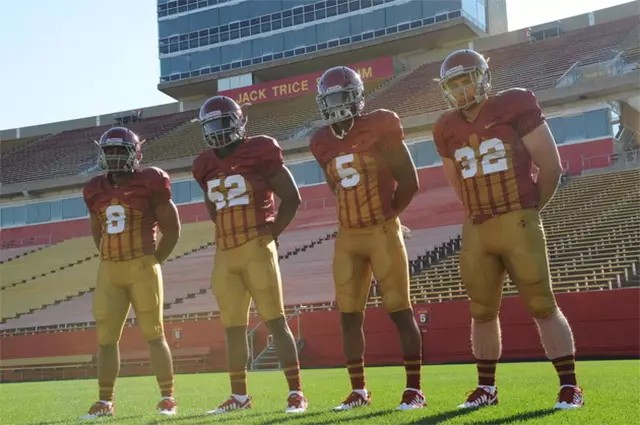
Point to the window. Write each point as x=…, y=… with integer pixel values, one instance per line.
x=73, y=208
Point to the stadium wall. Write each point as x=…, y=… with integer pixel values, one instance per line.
x=318, y=202
x=605, y=324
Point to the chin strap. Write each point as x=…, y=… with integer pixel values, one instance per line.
x=343, y=132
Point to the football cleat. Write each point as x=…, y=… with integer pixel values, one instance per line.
x=100, y=409
x=570, y=397
x=412, y=399
x=296, y=403
x=167, y=406
x=230, y=405
x=480, y=397
x=354, y=400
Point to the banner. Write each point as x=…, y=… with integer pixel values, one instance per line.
x=305, y=84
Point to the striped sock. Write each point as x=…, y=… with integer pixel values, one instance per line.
x=486, y=372
x=166, y=388
x=356, y=373
x=292, y=373
x=238, y=381
x=412, y=366
x=105, y=391
x=566, y=368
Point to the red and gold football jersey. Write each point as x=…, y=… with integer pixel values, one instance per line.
x=126, y=212
x=495, y=167
x=238, y=186
x=356, y=166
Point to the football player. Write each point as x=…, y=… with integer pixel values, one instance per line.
x=239, y=176
x=127, y=205
x=488, y=144
x=368, y=167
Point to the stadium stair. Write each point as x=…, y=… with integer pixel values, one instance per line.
x=593, y=239
x=267, y=359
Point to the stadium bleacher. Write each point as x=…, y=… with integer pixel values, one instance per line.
x=276, y=119
x=592, y=226
x=593, y=236
x=536, y=66
x=73, y=151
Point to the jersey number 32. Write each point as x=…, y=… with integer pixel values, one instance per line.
x=493, y=158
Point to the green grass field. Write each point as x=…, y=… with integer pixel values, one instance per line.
x=527, y=394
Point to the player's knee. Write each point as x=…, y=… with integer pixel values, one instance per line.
x=483, y=313
x=541, y=307
x=394, y=302
x=107, y=338
x=351, y=321
x=152, y=333
x=403, y=318
x=278, y=326
x=157, y=341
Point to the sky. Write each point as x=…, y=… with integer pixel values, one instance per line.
x=94, y=57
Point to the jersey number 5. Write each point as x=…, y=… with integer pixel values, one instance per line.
x=116, y=219
x=235, y=191
x=493, y=159
x=349, y=176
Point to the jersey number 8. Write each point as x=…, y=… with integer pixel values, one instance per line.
x=116, y=219
x=491, y=162
x=235, y=193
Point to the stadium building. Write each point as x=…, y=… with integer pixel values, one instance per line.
x=584, y=70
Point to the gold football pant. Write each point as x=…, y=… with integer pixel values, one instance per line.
x=374, y=251
x=248, y=271
x=514, y=243
x=136, y=282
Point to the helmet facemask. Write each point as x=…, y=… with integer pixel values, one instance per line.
x=479, y=80
x=341, y=103
x=221, y=130
x=118, y=157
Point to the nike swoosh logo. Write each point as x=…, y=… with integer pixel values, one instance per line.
x=356, y=145
x=128, y=192
x=233, y=167
x=488, y=126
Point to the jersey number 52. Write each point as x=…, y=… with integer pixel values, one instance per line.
x=228, y=191
x=493, y=158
